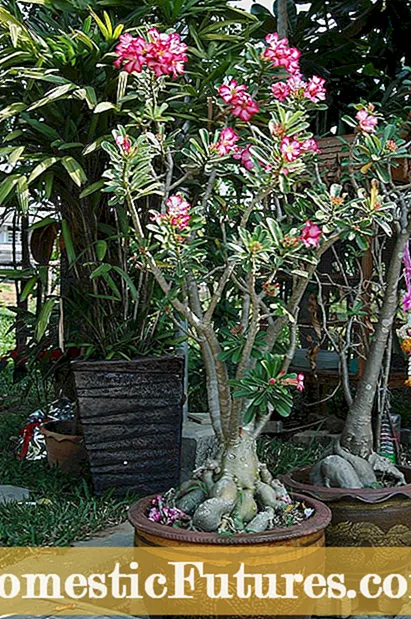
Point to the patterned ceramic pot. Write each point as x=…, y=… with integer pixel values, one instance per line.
x=365, y=517
x=309, y=533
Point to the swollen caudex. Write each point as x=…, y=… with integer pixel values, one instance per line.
x=234, y=493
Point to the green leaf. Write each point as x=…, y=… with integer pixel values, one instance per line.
x=7, y=186
x=88, y=94
x=101, y=249
x=112, y=285
x=68, y=242
x=42, y=167
x=15, y=154
x=249, y=415
x=11, y=110
x=28, y=288
x=44, y=222
x=102, y=269
x=44, y=318
x=128, y=280
x=41, y=127
x=52, y=95
x=74, y=170
x=22, y=191
x=92, y=188
x=104, y=106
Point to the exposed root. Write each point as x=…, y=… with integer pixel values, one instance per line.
x=341, y=469
x=234, y=492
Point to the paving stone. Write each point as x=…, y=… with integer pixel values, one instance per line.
x=199, y=444
x=121, y=536
x=9, y=494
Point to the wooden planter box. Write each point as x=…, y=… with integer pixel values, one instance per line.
x=132, y=413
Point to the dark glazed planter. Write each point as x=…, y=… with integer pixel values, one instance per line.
x=131, y=413
x=365, y=517
x=308, y=534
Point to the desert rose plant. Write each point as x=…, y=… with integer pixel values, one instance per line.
x=239, y=205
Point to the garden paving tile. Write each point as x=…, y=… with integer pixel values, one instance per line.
x=9, y=494
x=121, y=536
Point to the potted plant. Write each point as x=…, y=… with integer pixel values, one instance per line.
x=368, y=494
x=239, y=205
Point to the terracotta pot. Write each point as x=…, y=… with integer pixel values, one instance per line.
x=65, y=449
x=309, y=533
x=365, y=517
x=132, y=413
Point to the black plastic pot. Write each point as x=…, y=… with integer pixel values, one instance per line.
x=131, y=413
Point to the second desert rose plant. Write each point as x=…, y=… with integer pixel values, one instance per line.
x=234, y=207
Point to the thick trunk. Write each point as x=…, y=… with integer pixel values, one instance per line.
x=357, y=434
x=235, y=493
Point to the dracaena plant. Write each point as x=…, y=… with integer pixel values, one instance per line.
x=238, y=206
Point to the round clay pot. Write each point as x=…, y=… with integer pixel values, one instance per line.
x=364, y=517
x=309, y=533
x=65, y=449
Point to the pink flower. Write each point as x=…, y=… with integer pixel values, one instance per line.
x=290, y=148
x=296, y=85
x=406, y=302
x=245, y=156
x=280, y=54
x=315, y=90
x=177, y=213
x=310, y=235
x=227, y=141
x=244, y=108
x=166, y=55
x=163, y=53
x=310, y=145
x=367, y=122
x=231, y=92
x=154, y=514
x=300, y=382
x=131, y=53
x=123, y=142
x=281, y=90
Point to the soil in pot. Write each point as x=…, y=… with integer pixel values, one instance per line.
x=65, y=447
x=309, y=533
x=361, y=517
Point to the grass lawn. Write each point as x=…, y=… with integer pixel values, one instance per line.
x=62, y=509
x=65, y=509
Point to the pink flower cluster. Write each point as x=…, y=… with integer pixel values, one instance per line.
x=366, y=122
x=244, y=155
x=298, y=381
x=227, y=141
x=177, y=213
x=123, y=142
x=164, y=54
x=159, y=512
x=292, y=148
x=227, y=144
x=297, y=88
x=310, y=236
x=242, y=104
x=280, y=54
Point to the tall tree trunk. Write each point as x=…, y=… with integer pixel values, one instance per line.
x=282, y=19
x=357, y=433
